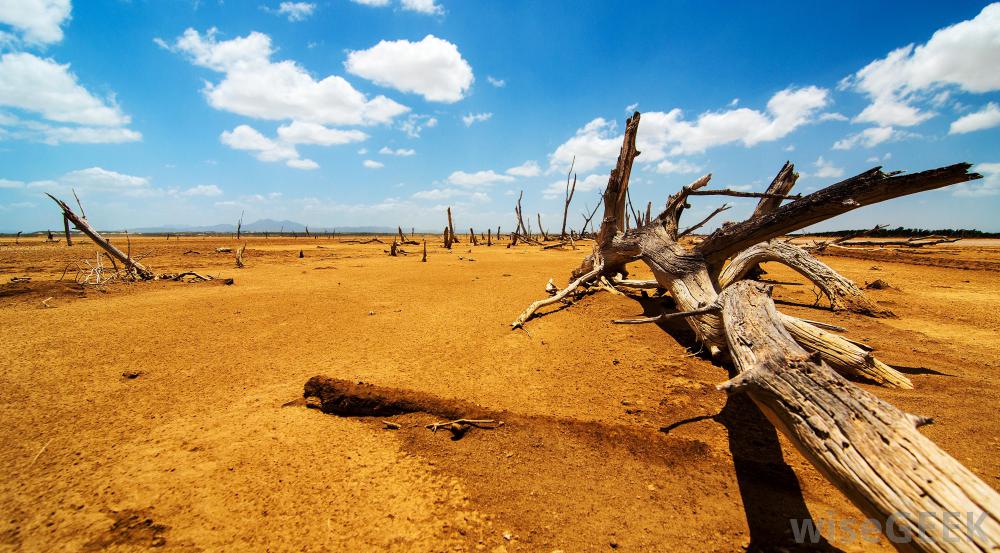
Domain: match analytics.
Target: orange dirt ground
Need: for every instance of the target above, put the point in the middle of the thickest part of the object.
(154, 414)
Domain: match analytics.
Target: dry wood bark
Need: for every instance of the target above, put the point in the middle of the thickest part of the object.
(69, 239)
(570, 190)
(842, 293)
(451, 229)
(867, 448)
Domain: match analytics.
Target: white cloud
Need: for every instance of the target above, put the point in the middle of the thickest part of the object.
(498, 83)
(362, 151)
(989, 185)
(832, 116)
(965, 55)
(372, 164)
(630, 109)
(869, 138)
(245, 137)
(826, 169)
(400, 152)
(479, 178)
(433, 68)
(296, 11)
(664, 134)
(438, 194)
(680, 167)
(206, 190)
(49, 89)
(476, 118)
(85, 135)
(593, 145)
(986, 118)
(304, 164)
(422, 6)
(39, 21)
(372, 3)
(96, 179)
(255, 86)
(526, 169)
(5, 183)
(415, 124)
(298, 132)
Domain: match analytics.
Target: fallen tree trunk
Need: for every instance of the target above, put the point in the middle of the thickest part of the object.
(81, 224)
(868, 449)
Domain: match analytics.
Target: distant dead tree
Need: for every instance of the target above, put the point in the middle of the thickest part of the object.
(570, 190)
(451, 229)
(545, 235)
(239, 226)
(472, 237)
(792, 369)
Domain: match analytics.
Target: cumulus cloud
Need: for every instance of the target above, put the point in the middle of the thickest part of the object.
(965, 56)
(432, 68)
(479, 178)
(429, 7)
(986, 118)
(37, 21)
(526, 169)
(207, 190)
(48, 88)
(415, 124)
(255, 86)
(247, 138)
(664, 134)
(826, 169)
(372, 164)
(299, 132)
(399, 152)
(498, 83)
(870, 137)
(989, 185)
(439, 194)
(680, 167)
(476, 118)
(296, 11)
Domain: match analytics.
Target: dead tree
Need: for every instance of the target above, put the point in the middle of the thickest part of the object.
(587, 218)
(792, 369)
(489, 237)
(447, 238)
(403, 240)
(570, 190)
(472, 237)
(131, 265)
(451, 229)
(541, 229)
(69, 239)
(239, 226)
(239, 256)
(424, 258)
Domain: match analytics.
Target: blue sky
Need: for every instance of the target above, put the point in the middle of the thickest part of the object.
(341, 113)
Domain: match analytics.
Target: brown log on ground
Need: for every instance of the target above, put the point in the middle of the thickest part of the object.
(69, 239)
(842, 293)
(83, 226)
(451, 229)
(909, 243)
(867, 448)
(870, 450)
(392, 248)
(239, 257)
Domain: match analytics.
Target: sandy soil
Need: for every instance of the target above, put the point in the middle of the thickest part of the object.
(154, 415)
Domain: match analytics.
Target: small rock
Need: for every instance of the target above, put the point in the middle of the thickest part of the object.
(507, 535)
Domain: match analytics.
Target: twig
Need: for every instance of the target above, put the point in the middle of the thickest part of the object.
(693, 228)
(668, 316)
(738, 194)
(40, 451)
